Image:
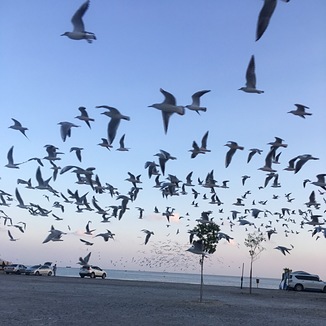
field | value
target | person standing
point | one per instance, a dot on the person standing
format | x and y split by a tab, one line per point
54	269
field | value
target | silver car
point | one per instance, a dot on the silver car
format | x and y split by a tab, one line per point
15	269
39	270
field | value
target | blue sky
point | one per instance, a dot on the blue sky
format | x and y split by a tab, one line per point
182	47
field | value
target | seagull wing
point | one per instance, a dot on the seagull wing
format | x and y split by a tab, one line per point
10	236
10	155
77	17
39	177
112	129
122	141
264	17
19	198
228	157
17	123
169	98
166	118
204	141
250	74
196	97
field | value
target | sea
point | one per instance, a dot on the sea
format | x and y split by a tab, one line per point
149	276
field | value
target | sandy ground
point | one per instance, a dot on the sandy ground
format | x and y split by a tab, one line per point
32	300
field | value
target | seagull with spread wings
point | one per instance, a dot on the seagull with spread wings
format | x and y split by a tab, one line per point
168	107
79	32
251	78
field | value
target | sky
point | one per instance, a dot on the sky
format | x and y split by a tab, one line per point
182	47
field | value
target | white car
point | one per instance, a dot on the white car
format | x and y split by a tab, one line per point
300	281
92	271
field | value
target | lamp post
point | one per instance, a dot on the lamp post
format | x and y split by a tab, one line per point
251	252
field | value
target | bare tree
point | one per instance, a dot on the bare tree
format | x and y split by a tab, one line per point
253	242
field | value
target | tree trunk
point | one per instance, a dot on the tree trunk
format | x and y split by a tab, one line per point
201	277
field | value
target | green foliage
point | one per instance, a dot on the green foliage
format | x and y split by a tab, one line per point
207	233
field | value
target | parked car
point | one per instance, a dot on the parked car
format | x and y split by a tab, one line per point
15	269
92	271
300	281
39	270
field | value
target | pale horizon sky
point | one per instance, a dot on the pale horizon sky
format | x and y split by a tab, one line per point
182	47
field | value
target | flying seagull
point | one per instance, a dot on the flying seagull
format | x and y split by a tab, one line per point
106	236
203	146
122	147
195	106
105	144
113	125
84	261
233	147
168	107
65	129
18	126
11	237
195	150
88	230
164	156
84	116
197	247
221	235
79	32
300	111
55	235
87	243
77	152
283	250
10	158
320	181
303	159
148	235
252	152
251	79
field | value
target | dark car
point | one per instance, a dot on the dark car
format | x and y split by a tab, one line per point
15	269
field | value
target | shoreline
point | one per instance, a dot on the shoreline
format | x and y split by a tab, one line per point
173	277
76	301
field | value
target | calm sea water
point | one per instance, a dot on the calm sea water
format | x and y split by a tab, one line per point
267	283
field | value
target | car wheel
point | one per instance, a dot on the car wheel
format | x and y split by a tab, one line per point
103	276
18	272
7	272
92	275
298	287
324	289
50	273
37	273
82	276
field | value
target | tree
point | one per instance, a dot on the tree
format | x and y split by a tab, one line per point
253	242
207	234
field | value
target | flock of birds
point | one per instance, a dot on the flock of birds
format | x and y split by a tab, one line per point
256	218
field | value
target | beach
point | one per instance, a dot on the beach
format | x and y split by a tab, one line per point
32	300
